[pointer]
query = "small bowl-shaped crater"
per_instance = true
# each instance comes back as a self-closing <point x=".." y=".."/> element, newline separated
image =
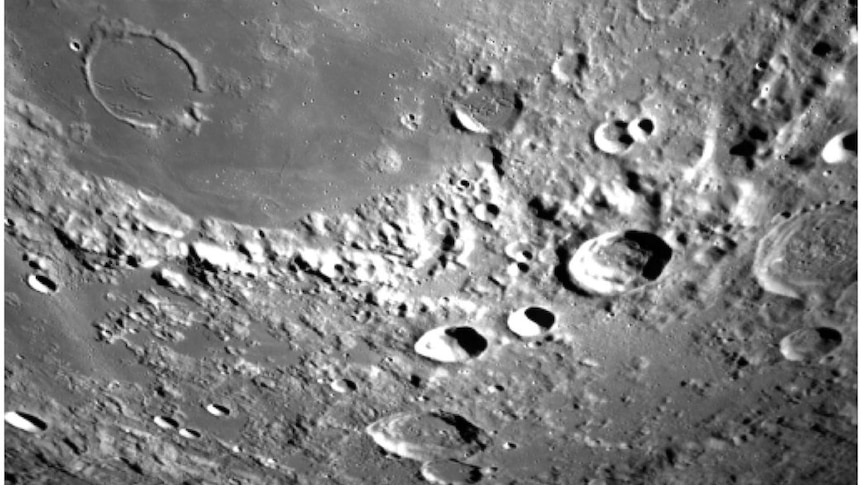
<point x="486" y="212"/>
<point x="520" y="252"/>
<point x="451" y="344"/>
<point x="25" y="422"/>
<point x="810" y="344"/>
<point x="342" y="386"/>
<point x="531" y="321"/>
<point x="166" y="422"/>
<point x="218" y="410"/>
<point x="189" y="433"/>
<point x="42" y="284"/>
<point x="612" y="137"/>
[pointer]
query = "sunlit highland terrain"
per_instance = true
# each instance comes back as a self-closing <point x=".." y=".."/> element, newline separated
<point x="398" y="242"/>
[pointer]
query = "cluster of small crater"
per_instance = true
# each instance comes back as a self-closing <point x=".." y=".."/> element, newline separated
<point x="169" y="423"/>
<point x="520" y="252"/>
<point x="612" y="137"/>
<point x="617" y="136"/>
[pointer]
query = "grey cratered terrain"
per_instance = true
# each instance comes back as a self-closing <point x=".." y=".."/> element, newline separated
<point x="502" y="242"/>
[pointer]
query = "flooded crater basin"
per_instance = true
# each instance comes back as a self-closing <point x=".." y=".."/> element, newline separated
<point x="287" y="111"/>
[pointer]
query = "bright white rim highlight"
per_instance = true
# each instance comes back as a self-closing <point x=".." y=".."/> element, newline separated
<point x="605" y="140"/>
<point x="189" y="433"/>
<point x="164" y="423"/>
<point x="20" y="422"/>
<point x="470" y="123"/>
<point x="35" y="283"/>
<point x="834" y="152"/>
<point x="217" y="410"/>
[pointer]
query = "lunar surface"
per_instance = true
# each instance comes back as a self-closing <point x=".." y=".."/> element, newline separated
<point x="407" y="242"/>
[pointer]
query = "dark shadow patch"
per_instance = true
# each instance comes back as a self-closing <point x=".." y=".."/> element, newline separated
<point x="448" y="243"/>
<point x="469" y="339"/>
<point x="48" y="283"/>
<point x="830" y="338"/>
<point x="849" y="142"/>
<point x="469" y="432"/>
<point x="453" y="120"/>
<point x="561" y="272"/>
<point x="497" y="160"/>
<point x="170" y="421"/>
<point x="626" y="139"/>
<point x="633" y="181"/>
<point x="540" y="316"/>
<point x="546" y="211"/>
<point x="658" y="250"/>
<point x="745" y="148"/>
<point x="800" y="163"/>
<point x="350" y="384"/>
<point x="415" y="381"/>
<point x="91" y="261"/>
<point x="646" y="125"/>
<point x="821" y="49"/>
<point x="758" y="133"/>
